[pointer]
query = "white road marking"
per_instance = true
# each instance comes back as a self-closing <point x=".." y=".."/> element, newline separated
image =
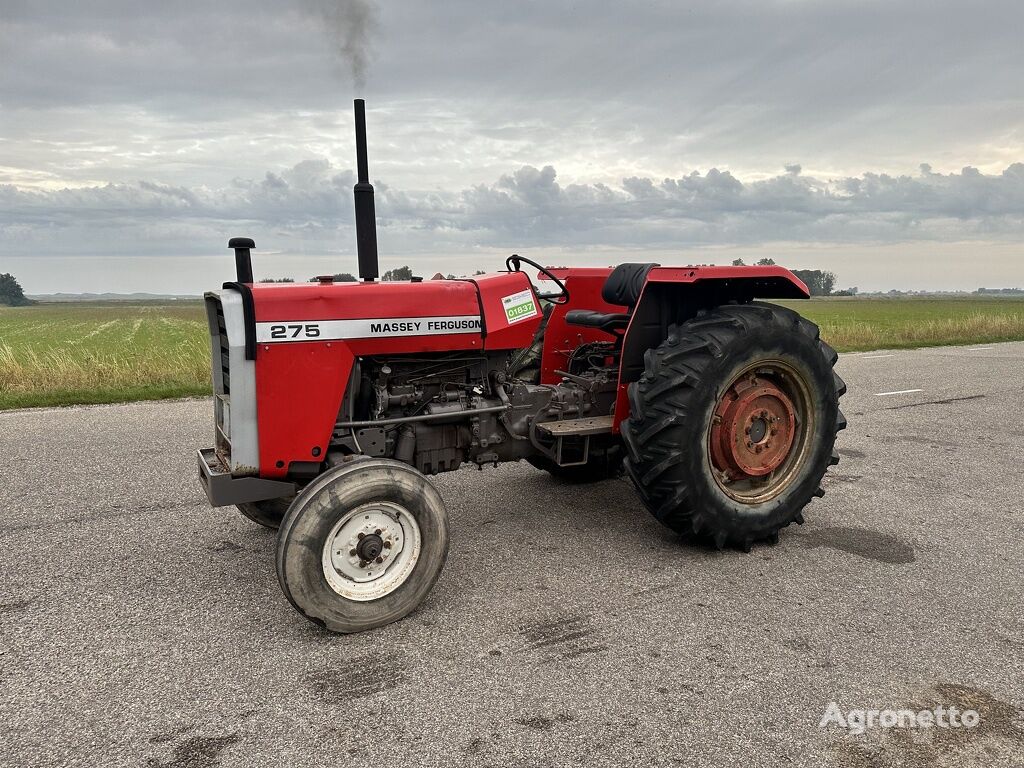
<point x="977" y="349"/>
<point x="898" y="392"/>
<point x="875" y="357"/>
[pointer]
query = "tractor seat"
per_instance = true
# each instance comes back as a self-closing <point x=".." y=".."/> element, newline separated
<point x="606" y="321"/>
<point x="623" y="288"/>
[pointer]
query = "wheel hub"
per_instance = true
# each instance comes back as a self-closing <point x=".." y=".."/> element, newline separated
<point x="370" y="547"/>
<point x="752" y="429"/>
<point x="758" y="429"/>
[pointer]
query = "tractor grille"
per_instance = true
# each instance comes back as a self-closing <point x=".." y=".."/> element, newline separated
<point x="225" y="365"/>
<point x="219" y="352"/>
<point x="220" y="359"/>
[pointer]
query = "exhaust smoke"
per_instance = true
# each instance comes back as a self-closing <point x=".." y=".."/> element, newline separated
<point x="350" y="25"/>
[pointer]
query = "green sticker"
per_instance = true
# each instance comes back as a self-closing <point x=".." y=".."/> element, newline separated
<point x="519" y="306"/>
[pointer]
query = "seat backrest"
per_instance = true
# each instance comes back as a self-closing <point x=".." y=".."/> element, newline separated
<point x="625" y="283"/>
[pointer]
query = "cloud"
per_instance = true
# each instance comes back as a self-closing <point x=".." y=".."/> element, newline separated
<point x="309" y="206"/>
<point x="473" y="106"/>
<point x="747" y="84"/>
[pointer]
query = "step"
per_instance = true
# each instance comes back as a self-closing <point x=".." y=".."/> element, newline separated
<point x="591" y="425"/>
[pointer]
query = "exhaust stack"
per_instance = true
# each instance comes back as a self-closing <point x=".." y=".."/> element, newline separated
<point x="366" y="219"/>
<point x="242" y="247"/>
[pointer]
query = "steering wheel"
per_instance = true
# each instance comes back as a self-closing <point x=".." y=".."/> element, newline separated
<point x="562" y="297"/>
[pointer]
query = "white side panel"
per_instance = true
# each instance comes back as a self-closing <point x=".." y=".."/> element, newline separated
<point x="245" y="442"/>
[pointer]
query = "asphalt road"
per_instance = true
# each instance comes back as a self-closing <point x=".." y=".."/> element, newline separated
<point x="140" y="627"/>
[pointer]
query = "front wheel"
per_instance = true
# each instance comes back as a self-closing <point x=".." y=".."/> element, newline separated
<point x="267" y="513"/>
<point x="733" y="423"/>
<point x="362" y="545"/>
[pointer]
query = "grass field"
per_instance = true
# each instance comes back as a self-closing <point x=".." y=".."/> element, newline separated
<point x="856" y="324"/>
<point x="103" y="352"/>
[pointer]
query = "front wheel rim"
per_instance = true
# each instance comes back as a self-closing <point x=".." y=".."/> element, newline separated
<point x="760" y="432"/>
<point x="371" y="551"/>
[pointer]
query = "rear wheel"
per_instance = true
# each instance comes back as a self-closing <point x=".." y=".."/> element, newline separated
<point x="362" y="545"/>
<point x="733" y="423"/>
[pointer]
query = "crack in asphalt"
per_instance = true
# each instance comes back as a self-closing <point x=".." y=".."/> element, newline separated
<point x="106" y="515"/>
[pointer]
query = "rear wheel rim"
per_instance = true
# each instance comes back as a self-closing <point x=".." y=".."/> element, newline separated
<point x="371" y="551"/>
<point x="760" y="432"/>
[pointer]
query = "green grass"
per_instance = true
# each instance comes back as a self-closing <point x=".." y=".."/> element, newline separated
<point x="106" y="352"/>
<point x="102" y="352"/>
<point x="858" y="324"/>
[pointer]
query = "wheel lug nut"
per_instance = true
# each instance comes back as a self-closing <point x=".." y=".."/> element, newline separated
<point x="361" y="534"/>
<point x="379" y="560"/>
<point x="377" y="531"/>
<point x="363" y="563"/>
<point x="352" y="552"/>
<point x="387" y="544"/>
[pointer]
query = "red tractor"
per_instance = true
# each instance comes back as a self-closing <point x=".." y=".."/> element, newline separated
<point x="334" y="402"/>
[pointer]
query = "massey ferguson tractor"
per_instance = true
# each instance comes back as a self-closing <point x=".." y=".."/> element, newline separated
<point x="335" y="401"/>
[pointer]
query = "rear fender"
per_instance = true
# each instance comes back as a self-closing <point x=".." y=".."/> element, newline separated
<point x="676" y="294"/>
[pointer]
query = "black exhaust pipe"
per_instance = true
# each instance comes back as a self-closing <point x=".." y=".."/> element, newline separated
<point x="243" y="258"/>
<point x="366" y="219"/>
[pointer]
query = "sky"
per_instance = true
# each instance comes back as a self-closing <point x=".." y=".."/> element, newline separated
<point x="883" y="141"/>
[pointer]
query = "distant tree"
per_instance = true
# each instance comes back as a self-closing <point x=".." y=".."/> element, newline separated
<point x="479" y="272"/>
<point x="999" y="291"/>
<point x="828" y="282"/>
<point x="766" y="263"/>
<point x="818" y="282"/>
<point x="738" y="263"/>
<point x="338" y="277"/>
<point x="398" y="273"/>
<point x="450" y="277"/>
<point x="11" y="294"/>
<point x="277" y="280"/>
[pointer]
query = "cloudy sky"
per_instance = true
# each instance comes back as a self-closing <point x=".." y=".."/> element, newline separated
<point x="881" y="140"/>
